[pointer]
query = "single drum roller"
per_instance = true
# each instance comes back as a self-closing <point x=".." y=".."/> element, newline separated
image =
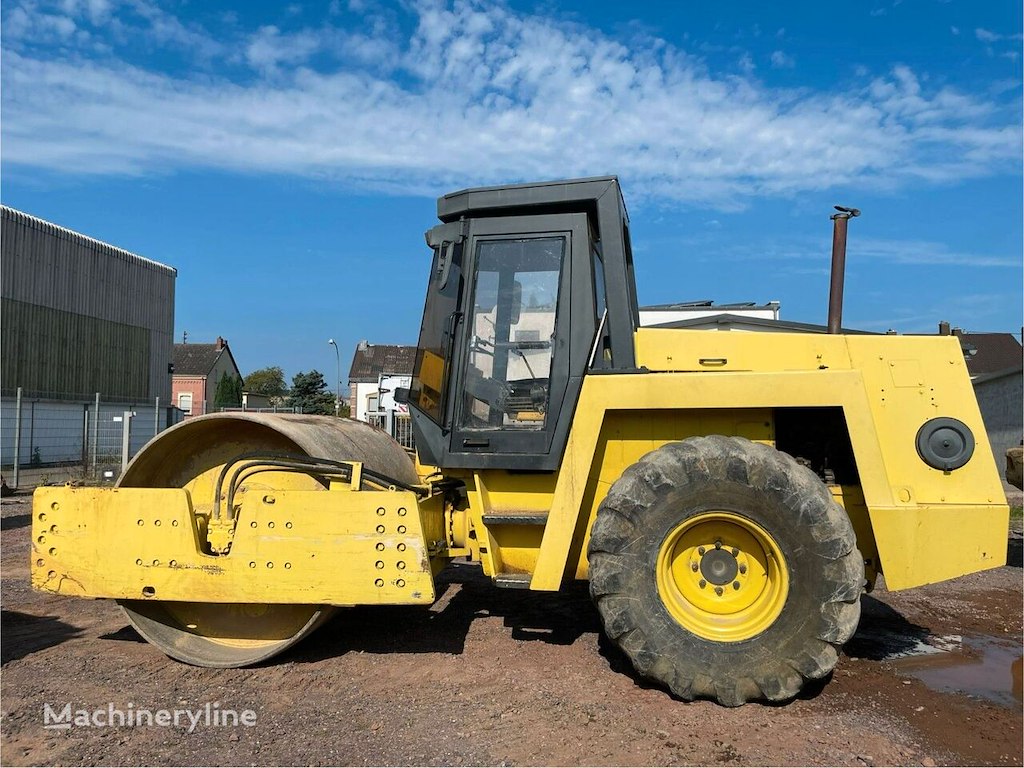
<point x="192" y="455"/>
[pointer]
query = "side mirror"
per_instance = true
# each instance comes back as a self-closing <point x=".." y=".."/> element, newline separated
<point x="442" y="239"/>
<point x="402" y="395"/>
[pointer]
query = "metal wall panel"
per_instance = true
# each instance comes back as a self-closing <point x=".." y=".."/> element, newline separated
<point x="81" y="316"/>
<point x="48" y="352"/>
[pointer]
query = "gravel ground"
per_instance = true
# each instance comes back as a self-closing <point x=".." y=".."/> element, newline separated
<point x="489" y="676"/>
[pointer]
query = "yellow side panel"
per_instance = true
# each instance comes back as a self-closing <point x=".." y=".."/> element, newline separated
<point x="923" y="545"/>
<point x="903" y="382"/>
<point x="507" y="549"/>
<point x="635" y="393"/>
<point x="909" y="380"/>
<point x="332" y="548"/>
<point x="887" y="388"/>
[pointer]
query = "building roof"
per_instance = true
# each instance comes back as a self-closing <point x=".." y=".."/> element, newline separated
<point x="63" y="233"/>
<point x="371" y="360"/>
<point x="706" y="304"/>
<point x="984" y="378"/>
<point x="199" y="359"/>
<point x="726" y="320"/>
<point x="990" y="352"/>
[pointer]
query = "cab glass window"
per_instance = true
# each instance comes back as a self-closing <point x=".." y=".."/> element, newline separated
<point x="511" y="327"/>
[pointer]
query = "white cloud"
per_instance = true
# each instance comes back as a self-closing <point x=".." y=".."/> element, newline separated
<point x="928" y="253"/>
<point x="987" y="36"/>
<point x="480" y="94"/>
<point x="980" y="310"/>
<point x="862" y="250"/>
<point x="268" y="48"/>
<point x="97" y="11"/>
<point x="780" y="60"/>
<point x="29" y="22"/>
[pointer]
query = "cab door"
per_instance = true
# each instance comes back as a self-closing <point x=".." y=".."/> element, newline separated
<point x="518" y="350"/>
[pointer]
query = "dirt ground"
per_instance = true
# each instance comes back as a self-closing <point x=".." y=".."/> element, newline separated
<point x="489" y="676"/>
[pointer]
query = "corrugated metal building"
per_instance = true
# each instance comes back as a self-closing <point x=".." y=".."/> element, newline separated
<point x="80" y="316"/>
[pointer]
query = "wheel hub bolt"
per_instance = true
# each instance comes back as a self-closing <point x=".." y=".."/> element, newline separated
<point x="701" y="550"/>
<point x="718" y="591"/>
<point x="735" y="585"/>
<point x="718" y="544"/>
<point x="702" y="583"/>
<point x="743" y="569"/>
<point x="735" y="552"/>
<point x="694" y="567"/>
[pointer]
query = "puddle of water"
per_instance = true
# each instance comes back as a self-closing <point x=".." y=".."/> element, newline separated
<point x="882" y="642"/>
<point x="984" y="667"/>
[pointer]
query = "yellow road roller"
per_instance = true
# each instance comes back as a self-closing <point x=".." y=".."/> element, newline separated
<point x="729" y="496"/>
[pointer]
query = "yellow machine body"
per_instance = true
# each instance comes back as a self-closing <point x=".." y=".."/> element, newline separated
<point x="342" y="545"/>
<point x="728" y="495"/>
<point x="294" y="547"/>
<point x="917" y="524"/>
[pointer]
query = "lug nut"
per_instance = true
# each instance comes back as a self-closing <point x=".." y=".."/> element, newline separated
<point x="718" y="544"/>
<point x="701" y="550"/>
<point x="743" y="569"/>
<point x="735" y="552"/>
<point x="702" y="583"/>
<point x="735" y="585"/>
<point x="694" y="567"/>
<point x="718" y="591"/>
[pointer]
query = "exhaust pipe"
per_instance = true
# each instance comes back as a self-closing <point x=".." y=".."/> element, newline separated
<point x="835" y="294"/>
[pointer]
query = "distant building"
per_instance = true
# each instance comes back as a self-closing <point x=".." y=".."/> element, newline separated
<point x="80" y="316"/>
<point x="660" y="314"/>
<point x="252" y="401"/>
<point x="747" y="316"/>
<point x="369" y="363"/>
<point x="197" y="370"/>
<point x="996" y="364"/>
<point x="86" y="330"/>
<point x="986" y="353"/>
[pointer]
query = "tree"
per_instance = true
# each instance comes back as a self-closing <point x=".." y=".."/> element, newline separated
<point x="267" y="381"/>
<point x="310" y="393"/>
<point x="228" y="393"/>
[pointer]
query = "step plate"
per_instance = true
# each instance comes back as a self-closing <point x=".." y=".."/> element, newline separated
<point x="513" y="580"/>
<point x="526" y="518"/>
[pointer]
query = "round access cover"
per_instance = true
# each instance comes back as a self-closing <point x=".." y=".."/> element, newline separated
<point x="945" y="443"/>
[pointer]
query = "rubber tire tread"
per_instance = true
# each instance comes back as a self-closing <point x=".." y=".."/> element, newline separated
<point x="699" y="474"/>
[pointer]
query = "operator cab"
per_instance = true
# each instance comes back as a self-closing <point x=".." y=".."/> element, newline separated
<point x="531" y="287"/>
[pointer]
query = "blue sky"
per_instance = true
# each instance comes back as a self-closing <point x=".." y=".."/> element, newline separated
<point x="285" y="158"/>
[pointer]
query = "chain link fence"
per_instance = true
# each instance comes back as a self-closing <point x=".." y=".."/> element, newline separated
<point x="57" y="438"/>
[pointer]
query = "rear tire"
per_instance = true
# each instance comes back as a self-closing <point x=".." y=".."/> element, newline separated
<point x="725" y="570"/>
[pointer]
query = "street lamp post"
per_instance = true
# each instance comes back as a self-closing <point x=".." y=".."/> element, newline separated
<point x="337" y="397"/>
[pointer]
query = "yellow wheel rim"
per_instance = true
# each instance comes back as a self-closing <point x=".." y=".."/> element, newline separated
<point x="722" y="576"/>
